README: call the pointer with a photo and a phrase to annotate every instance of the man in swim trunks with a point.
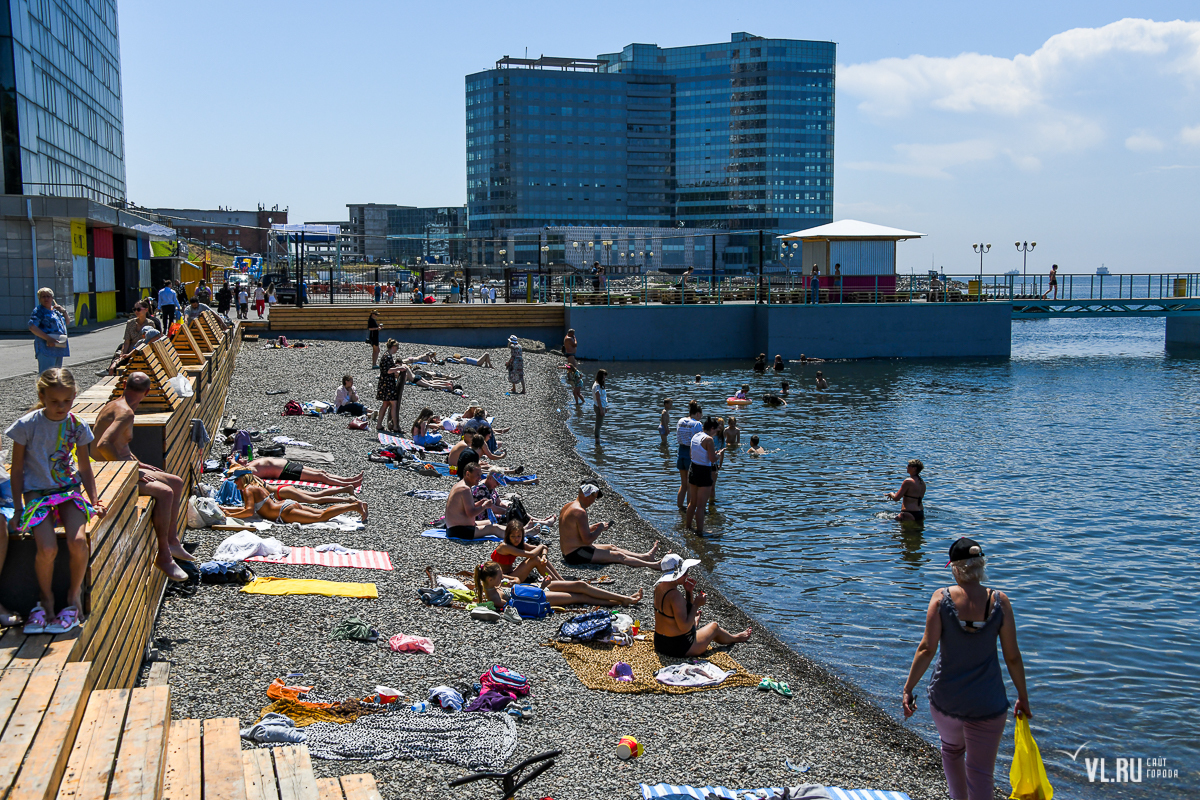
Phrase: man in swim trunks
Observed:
(755, 448)
(570, 345)
(822, 384)
(773, 400)
(271, 469)
(462, 507)
(677, 631)
(114, 432)
(577, 537)
(911, 494)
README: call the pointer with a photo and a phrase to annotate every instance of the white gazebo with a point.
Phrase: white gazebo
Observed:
(864, 253)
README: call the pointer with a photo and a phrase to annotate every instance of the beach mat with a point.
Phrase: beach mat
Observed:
(307, 485)
(438, 533)
(592, 662)
(363, 559)
(667, 791)
(291, 586)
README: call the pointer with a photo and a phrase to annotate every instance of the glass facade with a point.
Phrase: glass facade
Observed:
(436, 234)
(735, 136)
(61, 126)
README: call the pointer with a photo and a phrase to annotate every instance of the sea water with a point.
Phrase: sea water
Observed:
(1074, 463)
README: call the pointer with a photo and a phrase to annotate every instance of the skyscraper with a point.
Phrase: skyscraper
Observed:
(734, 136)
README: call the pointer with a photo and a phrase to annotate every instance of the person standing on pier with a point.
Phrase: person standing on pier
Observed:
(1053, 287)
(816, 284)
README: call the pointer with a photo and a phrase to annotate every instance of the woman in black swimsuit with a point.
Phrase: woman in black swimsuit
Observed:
(373, 337)
(675, 631)
(911, 494)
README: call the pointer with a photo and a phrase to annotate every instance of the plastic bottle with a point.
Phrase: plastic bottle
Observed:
(420, 708)
(249, 452)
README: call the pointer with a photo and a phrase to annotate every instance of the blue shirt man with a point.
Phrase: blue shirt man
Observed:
(48, 323)
(168, 303)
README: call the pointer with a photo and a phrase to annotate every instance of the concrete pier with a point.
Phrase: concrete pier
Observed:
(1183, 331)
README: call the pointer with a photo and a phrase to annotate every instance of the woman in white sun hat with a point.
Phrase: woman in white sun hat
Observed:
(677, 632)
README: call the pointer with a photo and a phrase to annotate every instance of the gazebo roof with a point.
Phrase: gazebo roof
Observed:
(851, 229)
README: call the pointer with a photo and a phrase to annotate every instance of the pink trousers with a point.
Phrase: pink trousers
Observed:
(969, 749)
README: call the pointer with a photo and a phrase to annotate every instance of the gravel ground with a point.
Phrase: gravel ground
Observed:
(227, 647)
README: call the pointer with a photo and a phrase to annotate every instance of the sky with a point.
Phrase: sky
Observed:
(1072, 124)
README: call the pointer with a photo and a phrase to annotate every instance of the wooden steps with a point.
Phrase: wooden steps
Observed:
(317, 317)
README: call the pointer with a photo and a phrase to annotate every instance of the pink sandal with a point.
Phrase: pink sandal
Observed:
(36, 621)
(67, 619)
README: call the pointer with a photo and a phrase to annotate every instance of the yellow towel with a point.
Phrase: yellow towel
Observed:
(281, 586)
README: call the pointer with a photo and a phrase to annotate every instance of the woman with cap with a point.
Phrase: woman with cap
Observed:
(967, 698)
(677, 632)
(515, 365)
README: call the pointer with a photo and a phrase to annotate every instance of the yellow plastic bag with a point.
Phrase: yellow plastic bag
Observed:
(1027, 775)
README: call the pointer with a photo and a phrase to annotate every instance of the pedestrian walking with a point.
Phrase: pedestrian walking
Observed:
(515, 365)
(1053, 287)
(168, 304)
(48, 324)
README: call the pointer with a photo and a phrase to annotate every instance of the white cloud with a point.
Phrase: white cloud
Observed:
(1010, 86)
(1190, 135)
(1142, 142)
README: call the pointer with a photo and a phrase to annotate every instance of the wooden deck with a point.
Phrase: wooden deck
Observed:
(317, 317)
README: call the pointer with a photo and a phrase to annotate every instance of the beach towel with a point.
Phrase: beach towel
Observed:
(306, 485)
(397, 441)
(363, 559)
(428, 494)
(288, 586)
(667, 791)
(311, 456)
(437, 533)
(475, 740)
(593, 661)
(505, 480)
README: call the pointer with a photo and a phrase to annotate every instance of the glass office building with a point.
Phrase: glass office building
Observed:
(61, 128)
(735, 136)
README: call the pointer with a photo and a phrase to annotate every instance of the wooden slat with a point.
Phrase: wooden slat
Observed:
(260, 775)
(10, 642)
(141, 758)
(90, 765)
(329, 789)
(296, 778)
(360, 787)
(223, 776)
(47, 757)
(160, 674)
(27, 715)
(182, 779)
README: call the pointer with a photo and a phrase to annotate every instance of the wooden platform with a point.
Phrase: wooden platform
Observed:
(316, 317)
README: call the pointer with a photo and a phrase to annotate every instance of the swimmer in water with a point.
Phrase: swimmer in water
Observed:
(755, 448)
(698, 380)
(911, 494)
(773, 400)
(760, 363)
(665, 420)
(822, 384)
(783, 389)
(733, 434)
(743, 393)
(778, 366)
(806, 360)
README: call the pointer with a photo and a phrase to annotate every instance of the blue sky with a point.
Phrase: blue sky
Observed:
(1073, 124)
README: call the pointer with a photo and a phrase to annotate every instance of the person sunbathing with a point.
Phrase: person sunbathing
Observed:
(488, 488)
(533, 557)
(258, 500)
(272, 469)
(677, 629)
(490, 575)
(484, 360)
(425, 383)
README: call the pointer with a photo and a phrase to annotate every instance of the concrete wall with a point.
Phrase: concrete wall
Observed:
(899, 330)
(1183, 331)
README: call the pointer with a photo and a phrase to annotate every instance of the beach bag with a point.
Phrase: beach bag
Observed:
(516, 510)
(586, 627)
(218, 572)
(181, 385)
(293, 409)
(530, 601)
(203, 512)
(504, 679)
(1027, 774)
(272, 451)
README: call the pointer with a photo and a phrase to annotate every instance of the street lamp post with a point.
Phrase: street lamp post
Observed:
(545, 249)
(1025, 248)
(607, 251)
(981, 249)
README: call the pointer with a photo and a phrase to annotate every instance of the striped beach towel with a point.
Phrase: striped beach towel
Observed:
(397, 441)
(316, 487)
(363, 559)
(667, 791)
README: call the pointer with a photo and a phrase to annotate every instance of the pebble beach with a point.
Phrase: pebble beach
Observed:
(226, 647)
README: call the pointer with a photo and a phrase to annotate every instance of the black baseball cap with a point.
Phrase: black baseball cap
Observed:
(965, 548)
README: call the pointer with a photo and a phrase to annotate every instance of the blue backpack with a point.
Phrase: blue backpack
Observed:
(586, 627)
(530, 601)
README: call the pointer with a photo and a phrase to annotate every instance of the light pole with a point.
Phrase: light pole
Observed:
(1025, 248)
(607, 251)
(981, 249)
(545, 251)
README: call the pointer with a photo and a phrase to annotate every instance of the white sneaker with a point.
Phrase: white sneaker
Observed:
(512, 615)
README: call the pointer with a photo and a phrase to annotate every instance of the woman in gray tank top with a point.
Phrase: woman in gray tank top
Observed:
(967, 699)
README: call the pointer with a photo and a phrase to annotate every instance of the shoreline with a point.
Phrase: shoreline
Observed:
(226, 646)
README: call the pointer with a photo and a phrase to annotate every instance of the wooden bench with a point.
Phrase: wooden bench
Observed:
(314, 317)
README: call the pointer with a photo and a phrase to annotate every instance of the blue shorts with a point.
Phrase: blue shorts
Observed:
(662, 430)
(684, 461)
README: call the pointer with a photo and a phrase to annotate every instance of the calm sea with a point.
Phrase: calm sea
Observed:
(1074, 463)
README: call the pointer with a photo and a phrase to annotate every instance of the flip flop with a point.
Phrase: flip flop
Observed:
(11, 620)
(66, 620)
(781, 688)
(36, 621)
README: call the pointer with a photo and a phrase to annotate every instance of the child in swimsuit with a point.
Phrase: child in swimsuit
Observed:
(733, 434)
(743, 392)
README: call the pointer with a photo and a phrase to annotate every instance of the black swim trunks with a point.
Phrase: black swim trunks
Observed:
(583, 555)
(291, 471)
(918, 513)
(461, 532)
(674, 646)
(700, 475)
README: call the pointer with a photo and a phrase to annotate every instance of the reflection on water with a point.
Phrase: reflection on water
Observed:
(1073, 463)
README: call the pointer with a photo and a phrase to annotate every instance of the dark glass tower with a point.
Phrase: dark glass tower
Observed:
(735, 136)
